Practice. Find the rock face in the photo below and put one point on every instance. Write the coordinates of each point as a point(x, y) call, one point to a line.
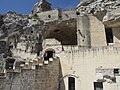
point(16, 28)
point(86, 2)
point(12, 22)
point(104, 10)
point(41, 6)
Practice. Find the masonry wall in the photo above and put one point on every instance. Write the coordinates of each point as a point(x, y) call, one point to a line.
point(47, 76)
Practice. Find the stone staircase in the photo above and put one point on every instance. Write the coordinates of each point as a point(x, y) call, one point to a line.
point(30, 64)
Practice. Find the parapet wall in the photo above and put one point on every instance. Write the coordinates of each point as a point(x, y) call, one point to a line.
point(83, 50)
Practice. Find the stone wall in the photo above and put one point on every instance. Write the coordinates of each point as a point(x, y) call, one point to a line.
point(57, 14)
point(47, 77)
point(97, 31)
point(66, 15)
point(49, 15)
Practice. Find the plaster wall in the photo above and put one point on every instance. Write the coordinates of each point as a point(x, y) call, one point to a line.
point(82, 64)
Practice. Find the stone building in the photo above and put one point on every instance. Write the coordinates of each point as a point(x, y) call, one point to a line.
point(62, 50)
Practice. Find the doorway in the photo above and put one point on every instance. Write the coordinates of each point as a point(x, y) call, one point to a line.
point(49, 54)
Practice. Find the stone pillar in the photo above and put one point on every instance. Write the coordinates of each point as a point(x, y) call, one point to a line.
point(90, 32)
point(83, 31)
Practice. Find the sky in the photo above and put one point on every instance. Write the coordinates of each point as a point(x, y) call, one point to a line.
point(25, 6)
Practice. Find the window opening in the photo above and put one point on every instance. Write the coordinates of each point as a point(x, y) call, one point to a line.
point(71, 83)
point(116, 71)
point(109, 35)
point(98, 86)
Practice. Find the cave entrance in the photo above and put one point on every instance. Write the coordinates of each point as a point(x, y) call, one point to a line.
point(64, 32)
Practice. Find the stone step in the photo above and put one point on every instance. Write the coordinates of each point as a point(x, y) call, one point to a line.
point(46, 62)
point(50, 59)
point(40, 64)
point(37, 61)
point(31, 65)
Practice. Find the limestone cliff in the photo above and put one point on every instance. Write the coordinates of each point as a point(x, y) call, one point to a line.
point(107, 11)
point(16, 30)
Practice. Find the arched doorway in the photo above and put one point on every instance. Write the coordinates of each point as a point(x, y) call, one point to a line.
point(71, 83)
point(49, 53)
point(10, 63)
